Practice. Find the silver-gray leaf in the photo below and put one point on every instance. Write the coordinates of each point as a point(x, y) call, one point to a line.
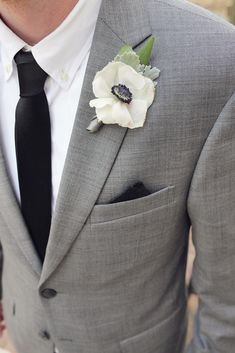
point(151, 72)
point(94, 125)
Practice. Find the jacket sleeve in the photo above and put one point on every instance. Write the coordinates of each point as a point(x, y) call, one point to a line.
point(211, 208)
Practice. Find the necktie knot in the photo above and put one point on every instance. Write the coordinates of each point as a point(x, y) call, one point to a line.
point(31, 76)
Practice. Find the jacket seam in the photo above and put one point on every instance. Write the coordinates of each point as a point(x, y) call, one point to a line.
point(196, 164)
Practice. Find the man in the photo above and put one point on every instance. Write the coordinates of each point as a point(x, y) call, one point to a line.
point(109, 275)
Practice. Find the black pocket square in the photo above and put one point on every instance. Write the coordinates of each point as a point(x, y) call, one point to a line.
point(136, 191)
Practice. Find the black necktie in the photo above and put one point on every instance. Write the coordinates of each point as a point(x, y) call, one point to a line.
point(33, 150)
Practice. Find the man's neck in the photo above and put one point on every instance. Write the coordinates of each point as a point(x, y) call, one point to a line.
point(32, 20)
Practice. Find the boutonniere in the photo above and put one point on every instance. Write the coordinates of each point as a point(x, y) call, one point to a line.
point(125, 89)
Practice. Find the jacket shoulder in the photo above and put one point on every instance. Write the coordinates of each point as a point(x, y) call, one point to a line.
point(188, 14)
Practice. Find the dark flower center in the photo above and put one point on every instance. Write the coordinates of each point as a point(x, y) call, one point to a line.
point(123, 93)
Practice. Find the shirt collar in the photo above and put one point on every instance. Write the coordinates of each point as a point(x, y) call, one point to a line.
point(61, 52)
point(10, 45)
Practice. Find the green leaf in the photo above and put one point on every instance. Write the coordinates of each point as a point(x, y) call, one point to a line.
point(146, 52)
point(124, 49)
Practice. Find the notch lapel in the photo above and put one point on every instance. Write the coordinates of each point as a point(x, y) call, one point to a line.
point(91, 156)
point(12, 216)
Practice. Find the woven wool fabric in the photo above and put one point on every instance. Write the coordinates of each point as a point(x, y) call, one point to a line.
point(116, 271)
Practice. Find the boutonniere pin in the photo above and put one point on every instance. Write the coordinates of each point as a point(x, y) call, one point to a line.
point(125, 89)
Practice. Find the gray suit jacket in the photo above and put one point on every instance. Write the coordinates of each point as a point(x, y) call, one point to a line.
point(113, 276)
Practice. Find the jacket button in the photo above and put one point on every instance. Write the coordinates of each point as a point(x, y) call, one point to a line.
point(44, 334)
point(48, 293)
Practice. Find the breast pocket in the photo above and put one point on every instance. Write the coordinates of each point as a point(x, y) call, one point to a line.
point(114, 211)
point(133, 231)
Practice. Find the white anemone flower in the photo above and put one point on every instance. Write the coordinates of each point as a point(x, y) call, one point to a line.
point(123, 95)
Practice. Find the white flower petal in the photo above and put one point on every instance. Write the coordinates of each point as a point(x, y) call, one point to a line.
point(105, 114)
point(121, 115)
point(109, 73)
point(100, 87)
point(130, 78)
point(115, 114)
point(138, 111)
point(150, 92)
point(106, 78)
point(101, 102)
point(147, 93)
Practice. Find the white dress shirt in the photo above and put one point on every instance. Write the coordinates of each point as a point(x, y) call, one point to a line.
point(63, 55)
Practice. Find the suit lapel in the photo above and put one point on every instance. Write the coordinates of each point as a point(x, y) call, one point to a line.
point(90, 156)
point(12, 216)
